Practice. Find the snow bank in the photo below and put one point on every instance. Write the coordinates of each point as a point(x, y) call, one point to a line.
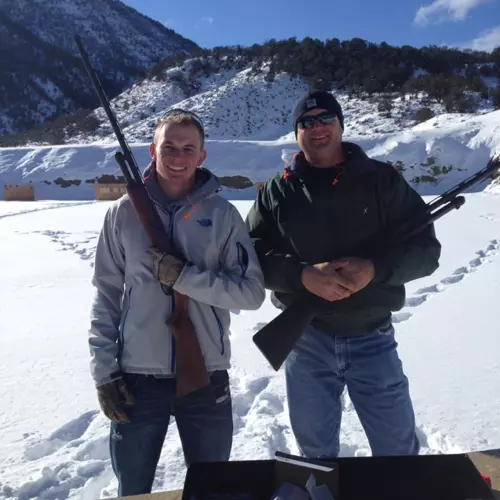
point(464, 142)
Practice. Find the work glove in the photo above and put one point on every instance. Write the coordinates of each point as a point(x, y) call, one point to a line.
point(113, 397)
point(166, 267)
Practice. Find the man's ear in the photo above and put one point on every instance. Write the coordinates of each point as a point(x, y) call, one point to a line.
point(203, 155)
point(152, 151)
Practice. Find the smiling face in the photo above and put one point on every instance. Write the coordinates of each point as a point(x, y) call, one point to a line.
point(178, 152)
point(322, 143)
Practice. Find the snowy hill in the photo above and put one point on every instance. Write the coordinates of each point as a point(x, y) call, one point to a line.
point(240, 104)
point(248, 92)
point(232, 104)
point(42, 59)
point(424, 153)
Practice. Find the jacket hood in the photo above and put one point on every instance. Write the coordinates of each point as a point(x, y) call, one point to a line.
point(206, 185)
point(356, 162)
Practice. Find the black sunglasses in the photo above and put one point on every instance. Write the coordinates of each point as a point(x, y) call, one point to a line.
point(310, 121)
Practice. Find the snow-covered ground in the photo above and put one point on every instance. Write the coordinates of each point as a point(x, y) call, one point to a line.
point(55, 440)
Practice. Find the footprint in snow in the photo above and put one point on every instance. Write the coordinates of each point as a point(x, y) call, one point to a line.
point(85, 252)
point(93, 449)
point(243, 401)
point(69, 432)
point(451, 280)
point(434, 442)
point(431, 289)
point(276, 438)
point(401, 317)
point(489, 217)
point(266, 409)
point(256, 406)
point(416, 301)
point(268, 403)
point(461, 271)
point(59, 481)
point(476, 262)
point(423, 294)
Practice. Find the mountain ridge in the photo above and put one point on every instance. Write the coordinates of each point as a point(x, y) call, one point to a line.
point(40, 57)
point(248, 92)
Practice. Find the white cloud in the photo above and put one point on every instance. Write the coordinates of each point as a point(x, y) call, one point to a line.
point(445, 10)
point(487, 40)
point(169, 23)
point(208, 19)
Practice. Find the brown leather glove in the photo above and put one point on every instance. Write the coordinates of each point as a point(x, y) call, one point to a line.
point(166, 267)
point(112, 397)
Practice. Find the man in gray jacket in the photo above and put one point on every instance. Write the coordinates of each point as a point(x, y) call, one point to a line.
point(133, 351)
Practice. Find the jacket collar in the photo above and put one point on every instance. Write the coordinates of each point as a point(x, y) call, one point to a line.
point(206, 185)
point(356, 163)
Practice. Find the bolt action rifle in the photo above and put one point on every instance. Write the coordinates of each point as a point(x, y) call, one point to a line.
point(276, 339)
point(191, 373)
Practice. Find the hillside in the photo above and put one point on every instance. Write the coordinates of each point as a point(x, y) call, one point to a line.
point(241, 104)
point(248, 92)
point(38, 55)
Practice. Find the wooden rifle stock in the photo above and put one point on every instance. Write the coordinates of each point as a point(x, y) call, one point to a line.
point(277, 339)
point(191, 373)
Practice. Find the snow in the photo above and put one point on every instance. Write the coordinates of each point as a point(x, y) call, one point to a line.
point(465, 142)
point(55, 439)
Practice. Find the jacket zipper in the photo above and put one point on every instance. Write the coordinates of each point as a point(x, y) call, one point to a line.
point(171, 237)
point(121, 334)
point(221, 331)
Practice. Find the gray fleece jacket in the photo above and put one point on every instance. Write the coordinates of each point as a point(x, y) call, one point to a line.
point(128, 331)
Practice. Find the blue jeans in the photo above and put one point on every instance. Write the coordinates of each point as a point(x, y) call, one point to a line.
point(205, 428)
point(322, 365)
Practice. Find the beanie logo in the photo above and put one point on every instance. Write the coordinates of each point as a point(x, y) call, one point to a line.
point(310, 103)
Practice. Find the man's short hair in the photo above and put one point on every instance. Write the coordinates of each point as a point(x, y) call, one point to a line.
point(181, 117)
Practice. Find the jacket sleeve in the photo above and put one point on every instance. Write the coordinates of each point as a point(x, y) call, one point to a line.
point(419, 255)
point(108, 280)
point(282, 271)
point(238, 283)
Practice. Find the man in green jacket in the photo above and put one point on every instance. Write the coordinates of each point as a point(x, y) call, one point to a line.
point(318, 228)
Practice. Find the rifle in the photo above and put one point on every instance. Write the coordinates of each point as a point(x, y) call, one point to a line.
point(191, 373)
point(276, 339)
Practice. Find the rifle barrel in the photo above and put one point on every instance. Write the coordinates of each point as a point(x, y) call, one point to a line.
point(120, 159)
point(127, 153)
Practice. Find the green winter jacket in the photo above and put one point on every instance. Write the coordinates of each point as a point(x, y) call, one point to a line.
point(307, 215)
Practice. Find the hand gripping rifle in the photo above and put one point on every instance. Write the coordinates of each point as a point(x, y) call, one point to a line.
point(278, 337)
point(191, 373)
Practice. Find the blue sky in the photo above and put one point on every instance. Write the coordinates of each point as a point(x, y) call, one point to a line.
point(463, 23)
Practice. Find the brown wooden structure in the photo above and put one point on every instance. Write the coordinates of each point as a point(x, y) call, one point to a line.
point(19, 192)
point(108, 192)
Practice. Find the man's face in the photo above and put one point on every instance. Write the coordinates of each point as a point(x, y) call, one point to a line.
point(322, 139)
point(177, 152)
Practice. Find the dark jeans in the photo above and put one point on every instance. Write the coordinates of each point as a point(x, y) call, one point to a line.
point(205, 427)
point(322, 365)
